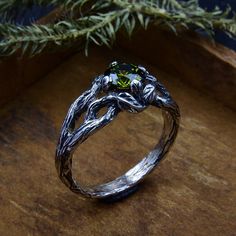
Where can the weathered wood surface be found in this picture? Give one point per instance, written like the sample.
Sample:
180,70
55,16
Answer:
192,192
208,67
19,73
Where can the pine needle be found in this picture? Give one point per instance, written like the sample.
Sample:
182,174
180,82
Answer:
101,22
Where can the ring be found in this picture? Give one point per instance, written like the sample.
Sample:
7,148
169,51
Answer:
127,87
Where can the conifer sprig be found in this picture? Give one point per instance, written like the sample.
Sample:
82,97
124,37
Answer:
101,22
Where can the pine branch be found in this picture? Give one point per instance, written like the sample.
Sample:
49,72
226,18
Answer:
175,13
100,23
35,38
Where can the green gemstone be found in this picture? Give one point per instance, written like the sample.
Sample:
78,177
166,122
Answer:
123,74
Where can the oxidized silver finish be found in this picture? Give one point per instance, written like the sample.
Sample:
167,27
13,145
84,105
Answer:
139,98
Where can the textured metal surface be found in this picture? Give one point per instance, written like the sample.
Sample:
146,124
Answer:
141,96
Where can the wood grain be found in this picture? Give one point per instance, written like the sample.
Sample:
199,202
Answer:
192,192
19,72
207,66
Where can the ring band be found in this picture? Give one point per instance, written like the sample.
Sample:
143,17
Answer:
127,88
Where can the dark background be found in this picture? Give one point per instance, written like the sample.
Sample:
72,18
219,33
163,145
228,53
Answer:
28,16
221,37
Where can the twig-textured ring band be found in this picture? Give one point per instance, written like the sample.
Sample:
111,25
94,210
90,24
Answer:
127,88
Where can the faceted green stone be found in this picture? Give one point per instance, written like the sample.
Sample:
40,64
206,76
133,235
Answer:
123,74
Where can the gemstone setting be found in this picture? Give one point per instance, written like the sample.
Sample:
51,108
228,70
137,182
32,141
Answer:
123,74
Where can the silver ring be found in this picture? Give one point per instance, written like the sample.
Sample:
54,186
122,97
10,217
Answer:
128,88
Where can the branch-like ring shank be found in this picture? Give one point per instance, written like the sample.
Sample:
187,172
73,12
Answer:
70,138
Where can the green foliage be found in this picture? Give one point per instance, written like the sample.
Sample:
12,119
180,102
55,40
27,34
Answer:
99,21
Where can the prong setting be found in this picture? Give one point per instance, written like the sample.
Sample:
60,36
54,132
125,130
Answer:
136,86
151,78
106,82
114,63
142,68
149,93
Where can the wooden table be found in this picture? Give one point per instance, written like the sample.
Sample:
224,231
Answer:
192,192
